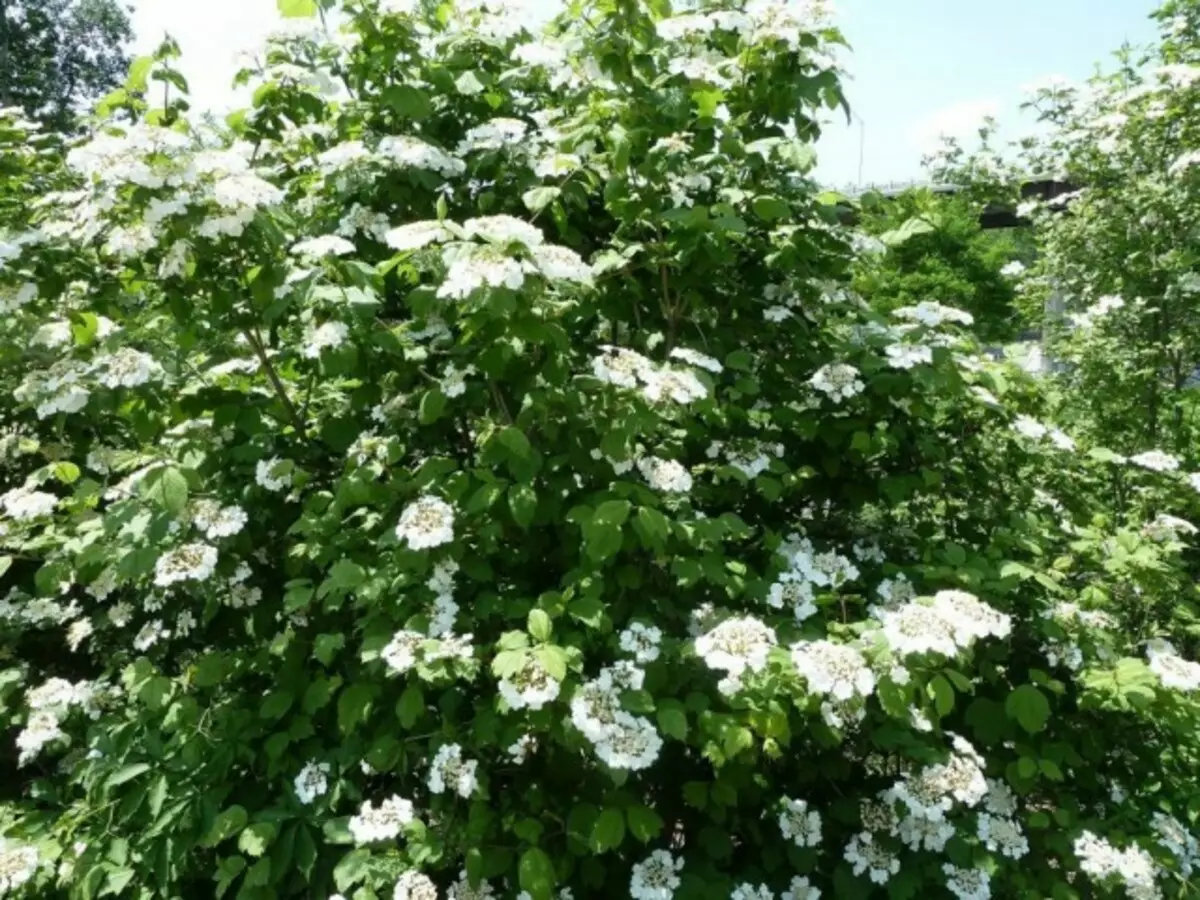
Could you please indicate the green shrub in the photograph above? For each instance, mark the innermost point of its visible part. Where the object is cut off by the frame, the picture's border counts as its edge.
(464, 480)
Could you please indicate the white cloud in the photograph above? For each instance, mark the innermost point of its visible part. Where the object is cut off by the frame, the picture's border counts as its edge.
(959, 120)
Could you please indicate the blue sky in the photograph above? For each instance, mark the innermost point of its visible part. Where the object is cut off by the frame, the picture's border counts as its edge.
(922, 66)
(918, 66)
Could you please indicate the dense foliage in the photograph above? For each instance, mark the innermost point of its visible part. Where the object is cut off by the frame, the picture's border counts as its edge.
(938, 250)
(58, 56)
(472, 473)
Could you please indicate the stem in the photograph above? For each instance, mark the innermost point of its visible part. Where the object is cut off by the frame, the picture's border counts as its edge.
(256, 342)
(499, 398)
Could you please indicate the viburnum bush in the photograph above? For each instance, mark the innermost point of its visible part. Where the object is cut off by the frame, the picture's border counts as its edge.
(467, 473)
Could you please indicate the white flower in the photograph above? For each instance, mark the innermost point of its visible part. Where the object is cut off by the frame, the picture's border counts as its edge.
(1014, 269)
(381, 823)
(917, 628)
(801, 889)
(403, 150)
(401, 652)
(1029, 427)
(932, 314)
(971, 618)
(794, 592)
(560, 263)
(665, 475)
(967, 884)
(449, 771)
(415, 235)
(520, 749)
(475, 266)
(737, 645)
(747, 891)
(78, 632)
(836, 670)
(504, 229)
(218, 521)
(454, 380)
(696, 358)
(330, 334)
(838, 381)
(493, 135)
(274, 474)
(312, 782)
(24, 504)
(799, 824)
(867, 857)
(530, 687)
(656, 877)
(325, 245)
(624, 367)
(426, 522)
(679, 385)
(149, 635)
(1003, 835)
(18, 864)
(127, 368)
(414, 886)
(906, 356)
(642, 641)
(1173, 671)
(1156, 461)
(191, 562)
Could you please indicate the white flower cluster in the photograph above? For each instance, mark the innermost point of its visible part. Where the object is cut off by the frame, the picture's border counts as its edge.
(1103, 862)
(838, 671)
(36, 611)
(621, 739)
(445, 607)
(751, 460)
(24, 503)
(800, 824)
(908, 356)
(967, 884)
(1178, 841)
(954, 621)
(312, 782)
(372, 824)
(530, 687)
(1175, 672)
(191, 562)
(867, 857)
(838, 381)
(273, 474)
(18, 864)
(49, 704)
(414, 886)
(450, 772)
(426, 522)
(127, 368)
(326, 336)
(1156, 461)
(665, 475)
(656, 877)
(806, 571)
(642, 641)
(1031, 428)
(217, 521)
(629, 369)
(736, 646)
(408, 648)
(933, 315)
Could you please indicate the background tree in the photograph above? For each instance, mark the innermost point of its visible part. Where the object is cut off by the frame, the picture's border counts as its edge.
(58, 55)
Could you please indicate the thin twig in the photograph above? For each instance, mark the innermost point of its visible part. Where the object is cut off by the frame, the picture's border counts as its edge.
(256, 342)
(499, 398)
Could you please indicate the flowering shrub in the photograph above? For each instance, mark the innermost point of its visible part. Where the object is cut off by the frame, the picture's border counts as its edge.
(470, 476)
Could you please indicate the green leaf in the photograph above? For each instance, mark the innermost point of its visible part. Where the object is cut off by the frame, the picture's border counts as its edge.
(354, 706)
(1029, 707)
(612, 512)
(539, 626)
(407, 101)
(644, 823)
(770, 208)
(169, 489)
(539, 198)
(346, 575)
(126, 773)
(297, 9)
(536, 874)
(433, 402)
(66, 472)
(411, 706)
(943, 695)
(609, 831)
(351, 869)
(228, 823)
(672, 720)
(326, 646)
(513, 438)
(254, 840)
(601, 540)
(522, 501)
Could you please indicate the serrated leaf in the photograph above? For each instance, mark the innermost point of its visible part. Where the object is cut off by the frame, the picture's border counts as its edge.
(608, 832)
(169, 489)
(1029, 707)
(539, 625)
(644, 823)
